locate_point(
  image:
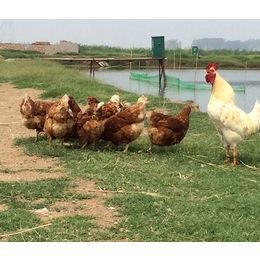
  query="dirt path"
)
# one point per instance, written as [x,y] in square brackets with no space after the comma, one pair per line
[13,159]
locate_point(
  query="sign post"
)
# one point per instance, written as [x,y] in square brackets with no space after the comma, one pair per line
[195,51]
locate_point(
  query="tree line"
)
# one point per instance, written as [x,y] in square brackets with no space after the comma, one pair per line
[219,44]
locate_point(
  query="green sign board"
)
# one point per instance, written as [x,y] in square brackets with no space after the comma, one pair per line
[158,47]
[195,50]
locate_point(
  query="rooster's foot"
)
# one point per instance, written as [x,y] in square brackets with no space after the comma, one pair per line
[235,163]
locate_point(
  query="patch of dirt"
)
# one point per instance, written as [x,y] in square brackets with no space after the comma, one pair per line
[13,159]
[105,216]
[30,176]
[89,187]
[3,207]
[42,200]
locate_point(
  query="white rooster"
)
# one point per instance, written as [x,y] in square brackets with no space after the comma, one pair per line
[232,123]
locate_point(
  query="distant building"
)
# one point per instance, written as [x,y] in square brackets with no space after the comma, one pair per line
[38,46]
[63,47]
[43,47]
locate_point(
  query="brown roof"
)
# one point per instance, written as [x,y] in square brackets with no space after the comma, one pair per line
[41,43]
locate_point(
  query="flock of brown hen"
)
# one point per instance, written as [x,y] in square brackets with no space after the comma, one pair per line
[115,121]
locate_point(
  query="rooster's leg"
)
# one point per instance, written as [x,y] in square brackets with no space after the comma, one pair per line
[150,149]
[126,148]
[227,154]
[62,141]
[235,162]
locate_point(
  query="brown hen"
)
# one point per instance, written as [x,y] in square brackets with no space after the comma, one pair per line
[74,107]
[92,128]
[166,130]
[126,126]
[59,124]
[88,125]
[34,113]
[112,107]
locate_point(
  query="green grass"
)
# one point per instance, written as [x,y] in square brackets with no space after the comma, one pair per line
[17,54]
[199,197]
[64,229]
[225,58]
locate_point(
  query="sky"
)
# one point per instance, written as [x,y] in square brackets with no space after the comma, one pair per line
[128,27]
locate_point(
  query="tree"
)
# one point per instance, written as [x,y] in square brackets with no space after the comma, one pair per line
[173,44]
[221,44]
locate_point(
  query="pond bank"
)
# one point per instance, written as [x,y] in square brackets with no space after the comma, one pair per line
[167,66]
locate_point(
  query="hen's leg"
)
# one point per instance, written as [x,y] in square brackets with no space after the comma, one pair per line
[84,145]
[126,148]
[227,154]
[150,149]
[50,142]
[37,135]
[108,144]
[235,162]
[94,145]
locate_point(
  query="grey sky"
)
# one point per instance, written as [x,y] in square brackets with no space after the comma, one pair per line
[126,33]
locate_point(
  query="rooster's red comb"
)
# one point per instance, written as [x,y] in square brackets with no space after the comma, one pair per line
[212,65]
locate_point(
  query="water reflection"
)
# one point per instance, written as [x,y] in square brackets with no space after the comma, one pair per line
[162,87]
[245,101]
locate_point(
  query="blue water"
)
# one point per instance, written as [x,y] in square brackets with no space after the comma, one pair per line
[245,101]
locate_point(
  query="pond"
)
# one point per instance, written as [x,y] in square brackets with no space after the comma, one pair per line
[244,100]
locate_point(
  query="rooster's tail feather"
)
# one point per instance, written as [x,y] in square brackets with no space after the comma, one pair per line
[255,115]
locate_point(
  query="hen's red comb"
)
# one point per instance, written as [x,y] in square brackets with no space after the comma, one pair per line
[212,65]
